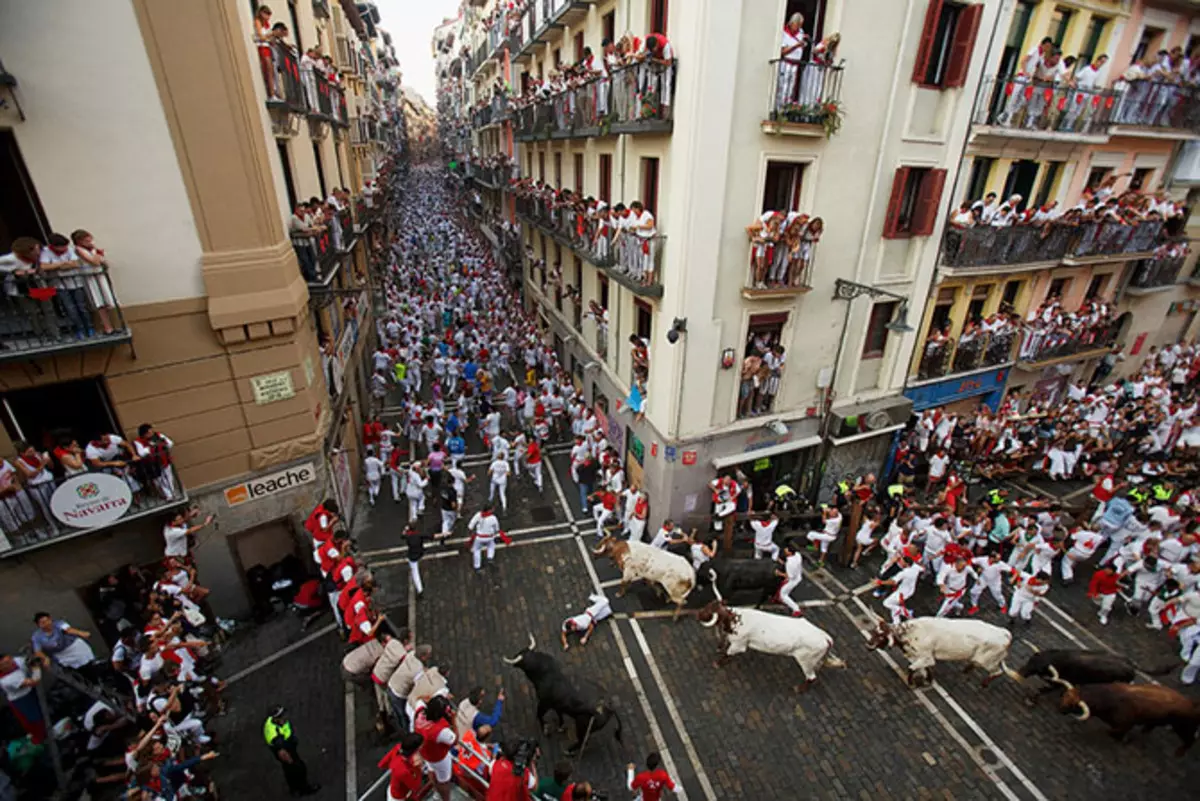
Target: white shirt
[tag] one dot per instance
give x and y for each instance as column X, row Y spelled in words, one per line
column 372, row 468
column 990, row 572
column 11, row 682
column 937, row 465
column 906, row 580
column 953, row 580
column 499, row 469
column 794, row 567
column 176, row 539
column 484, row 526
column 764, row 532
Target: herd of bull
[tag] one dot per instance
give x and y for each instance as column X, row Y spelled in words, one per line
column 1093, row 684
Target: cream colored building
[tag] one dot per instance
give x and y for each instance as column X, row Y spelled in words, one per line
column 156, row 131
column 708, row 160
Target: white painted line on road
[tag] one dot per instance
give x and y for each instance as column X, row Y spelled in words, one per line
column 280, row 654
column 463, row 540
column 456, row 552
column 610, row 583
column 1066, row 616
column 672, row 711
column 375, row 786
column 351, row 747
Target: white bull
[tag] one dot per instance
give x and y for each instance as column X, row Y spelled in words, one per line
column 638, row 560
column 928, row 640
column 754, row 630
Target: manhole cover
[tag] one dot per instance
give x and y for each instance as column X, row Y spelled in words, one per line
column 542, row 514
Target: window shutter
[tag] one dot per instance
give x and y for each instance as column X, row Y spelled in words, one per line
column 928, row 201
column 962, row 46
column 925, row 47
column 894, row 202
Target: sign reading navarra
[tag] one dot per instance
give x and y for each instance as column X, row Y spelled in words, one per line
column 91, row 500
column 264, row 486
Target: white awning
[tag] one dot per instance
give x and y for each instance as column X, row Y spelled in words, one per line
column 867, row 434
column 722, row 462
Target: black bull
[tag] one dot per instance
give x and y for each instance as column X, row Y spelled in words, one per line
column 568, row 696
column 1079, row 667
column 747, row 576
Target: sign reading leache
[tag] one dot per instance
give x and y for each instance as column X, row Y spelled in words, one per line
column 264, row 486
column 272, row 387
column 91, row 500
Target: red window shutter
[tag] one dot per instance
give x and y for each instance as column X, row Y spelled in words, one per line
column 925, row 47
column 893, row 209
column 965, row 32
column 928, row 201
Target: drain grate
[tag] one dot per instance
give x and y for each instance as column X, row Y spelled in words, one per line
column 542, row 514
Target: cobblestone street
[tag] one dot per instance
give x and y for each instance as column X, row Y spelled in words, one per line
column 741, row 731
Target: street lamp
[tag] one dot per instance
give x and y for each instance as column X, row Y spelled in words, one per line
column 849, row 290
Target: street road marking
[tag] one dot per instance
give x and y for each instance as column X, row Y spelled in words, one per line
column 275, row 657
column 988, row 769
column 375, row 786
column 1067, row 616
column 462, row 540
column 688, row 746
column 351, row 747
column 456, row 552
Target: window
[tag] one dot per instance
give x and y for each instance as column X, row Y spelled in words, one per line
column 1060, row 20
column 1058, row 288
column 940, row 319
column 981, row 169
column 1091, row 40
column 316, row 146
column 781, row 191
column 557, row 58
column 579, row 46
column 542, row 167
column 1047, row 186
column 764, row 333
column 979, row 298
column 1148, row 43
column 643, row 319
column 1012, row 290
column 21, row 212
column 295, row 31
column 602, row 280
column 1096, row 176
column 599, row 399
column 606, row 178
column 877, row 331
column 650, row 185
column 610, row 26
column 528, row 165
column 913, row 206
column 558, row 170
column 578, row 159
column 42, row 415
column 658, row 16
column 1141, row 178
column 285, row 161
column 947, row 41
column 1097, row 286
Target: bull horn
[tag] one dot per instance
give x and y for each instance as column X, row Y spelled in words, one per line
column 532, row 642
column 712, row 621
column 1055, row 679
column 511, row 660
column 716, row 591
column 1084, row 712
column 598, row 550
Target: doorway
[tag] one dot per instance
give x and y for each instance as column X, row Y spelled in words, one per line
column 1022, row 176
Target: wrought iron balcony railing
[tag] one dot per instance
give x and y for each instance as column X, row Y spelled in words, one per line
column 774, row 270
column 985, row 245
column 1156, row 273
column 1020, row 104
column 804, row 93
column 1154, row 104
column 43, row 312
column 636, row 98
column 973, row 351
column 1041, row 346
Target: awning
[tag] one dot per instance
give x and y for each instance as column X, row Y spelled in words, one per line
column 866, row 434
column 721, row 462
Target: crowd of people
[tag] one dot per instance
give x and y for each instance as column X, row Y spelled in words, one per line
column 1101, row 203
column 782, row 245
column 318, row 227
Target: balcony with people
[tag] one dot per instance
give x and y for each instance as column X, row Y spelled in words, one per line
column 302, row 84
column 1021, row 106
column 983, row 344
column 1160, row 271
column 1051, row 334
column 630, row 90
column 31, row 516
column 782, row 252
column 493, row 172
column 623, row 241
column 57, row 298
column 805, row 85
column 987, row 235
column 322, row 233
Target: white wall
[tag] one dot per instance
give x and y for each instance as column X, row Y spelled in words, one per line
column 96, row 143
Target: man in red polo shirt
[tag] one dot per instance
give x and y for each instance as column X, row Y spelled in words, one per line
column 652, row 782
column 435, row 724
column 321, row 521
column 404, row 764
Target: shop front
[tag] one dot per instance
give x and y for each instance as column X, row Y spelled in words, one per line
column 961, row 393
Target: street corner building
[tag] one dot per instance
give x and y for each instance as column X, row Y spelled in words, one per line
column 203, row 201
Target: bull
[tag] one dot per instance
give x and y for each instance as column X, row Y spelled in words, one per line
column 750, row 629
column 637, row 560
column 927, row 640
column 566, row 695
column 1067, row 666
column 1123, row 706
column 730, row 576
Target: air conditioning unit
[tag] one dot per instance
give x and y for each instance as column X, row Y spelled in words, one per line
column 869, row 417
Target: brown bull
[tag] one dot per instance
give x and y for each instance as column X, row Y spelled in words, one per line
column 1123, row 706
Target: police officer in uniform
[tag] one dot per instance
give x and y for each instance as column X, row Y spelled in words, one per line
column 277, row 731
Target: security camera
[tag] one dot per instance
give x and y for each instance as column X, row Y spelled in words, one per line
column 672, row 336
column 678, row 326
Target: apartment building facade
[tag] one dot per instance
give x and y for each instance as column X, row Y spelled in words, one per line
column 183, row 145
column 710, row 144
column 1057, row 143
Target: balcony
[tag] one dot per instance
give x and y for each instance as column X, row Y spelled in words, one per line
column 366, row 212
column 633, row 261
column 1155, row 274
column 1042, row 348
column 491, row 177
column 1034, row 109
column 805, row 99
column 1155, row 109
column 281, row 77
column 46, row 314
column 777, row 267
column 984, row 247
column 28, row 523
column 494, row 113
column 634, row 99
column 973, row 351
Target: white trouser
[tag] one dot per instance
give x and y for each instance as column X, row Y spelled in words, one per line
column 1192, row 669
column 1022, row 605
column 891, row 561
column 789, row 73
column 823, row 538
column 535, row 470
column 951, row 602
column 414, row 570
column 477, row 548
column 397, row 487
column 1115, row 544
column 1142, row 592
column 189, row 727
column 449, row 518
column 894, row 603
column 1156, row 607
column 516, row 465
column 333, row 603
column 415, row 507
column 995, row 588
column 770, row 549
column 601, row 516
column 1105, row 602
column 1189, row 638
column 1067, row 566
column 637, row 529
column 785, row 593
column 502, row 488
column 372, row 489
column 932, row 563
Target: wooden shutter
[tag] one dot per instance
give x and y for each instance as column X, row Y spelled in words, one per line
column 965, row 31
column 929, row 197
column 606, row 177
column 891, row 219
column 579, row 173
column 925, row 47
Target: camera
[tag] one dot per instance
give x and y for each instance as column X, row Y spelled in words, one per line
column 523, row 756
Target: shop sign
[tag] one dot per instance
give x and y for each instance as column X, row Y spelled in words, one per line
column 91, row 500
column 272, row 387
column 689, row 457
column 943, row 392
column 256, row 489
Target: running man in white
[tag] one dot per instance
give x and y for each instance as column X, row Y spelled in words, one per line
column 485, row 529
column 1029, row 588
column 373, row 473
column 498, row 471
column 952, row 582
column 764, row 536
column 905, row 583
column 831, row 525
column 793, row 574
column 991, row 572
column 1083, row 544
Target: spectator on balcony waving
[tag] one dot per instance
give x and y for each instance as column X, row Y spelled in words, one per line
column 792, row 42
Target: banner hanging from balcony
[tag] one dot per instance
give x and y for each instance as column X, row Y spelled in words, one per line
column 91, row 500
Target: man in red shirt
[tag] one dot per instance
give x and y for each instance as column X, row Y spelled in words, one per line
column 652, row 781
column 1103, row 590
column 371, row 431
column 604, row 508
column 435, row 724
column 533, row 461
column 321, row 521
column 405, row 765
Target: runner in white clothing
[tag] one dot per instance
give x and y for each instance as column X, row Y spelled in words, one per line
column 498, row 471
column 793, row 574
column 764, row 536
column 952, row 581
column 373, row 473
column 484, row 528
